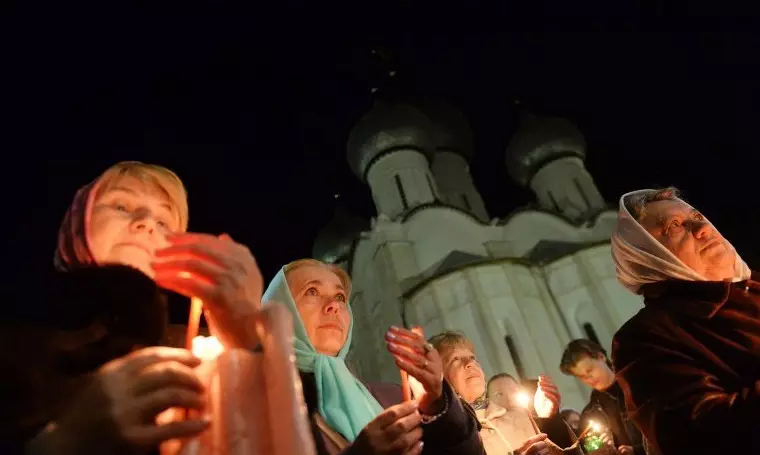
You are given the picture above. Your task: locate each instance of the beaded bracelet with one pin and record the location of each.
(430, 419)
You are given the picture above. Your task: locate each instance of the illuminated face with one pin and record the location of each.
(689, 236)
(503, 391)
(128, 223)
(462, 370)
(594, 372)
(322, 304)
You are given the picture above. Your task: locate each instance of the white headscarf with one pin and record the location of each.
(640, 259)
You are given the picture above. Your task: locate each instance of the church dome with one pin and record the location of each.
(451, 131)
(333, 243)
(537, 142)
(385, 128)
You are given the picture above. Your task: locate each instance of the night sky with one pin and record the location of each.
(252, 105)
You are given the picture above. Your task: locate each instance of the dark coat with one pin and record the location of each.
(608, 408)
(79, 321)
(557, 430)
(455, 433)
(689, 365)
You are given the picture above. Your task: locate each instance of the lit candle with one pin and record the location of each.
(194, 321)
(592, 426)
(523, 399)
(206, 348)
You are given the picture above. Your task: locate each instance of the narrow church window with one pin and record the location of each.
(591, 333)
(515, 354)
(432, 188)
(554, 201)
(401, 192)
(583, 195)
(466, 202)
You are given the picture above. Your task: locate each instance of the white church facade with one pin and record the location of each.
(520, 287)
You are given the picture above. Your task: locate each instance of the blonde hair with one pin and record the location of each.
(449, 340)
(345, 280)
(163, 179)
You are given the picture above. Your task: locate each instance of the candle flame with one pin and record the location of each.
(522, 399)
(206, 348)
(594, 425)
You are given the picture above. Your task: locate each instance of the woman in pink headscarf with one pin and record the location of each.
(689, 362)
(96, 373)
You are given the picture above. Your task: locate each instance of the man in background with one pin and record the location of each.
(588, 361)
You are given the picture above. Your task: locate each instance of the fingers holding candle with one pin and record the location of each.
(415, 356)
(215, 269)
(221, 273)
(546, 400)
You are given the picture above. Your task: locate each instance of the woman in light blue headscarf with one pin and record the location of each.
(349, 417)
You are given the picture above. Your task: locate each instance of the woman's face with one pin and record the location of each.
(322, 303)
(128, 223)
(689, 236)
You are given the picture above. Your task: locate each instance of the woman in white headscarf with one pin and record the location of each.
(689, 362)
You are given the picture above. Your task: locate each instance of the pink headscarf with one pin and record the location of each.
(73, 248)
(640, 259)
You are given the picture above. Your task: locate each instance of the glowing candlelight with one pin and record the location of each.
(592, 426)
(206, 348)
(523, 400)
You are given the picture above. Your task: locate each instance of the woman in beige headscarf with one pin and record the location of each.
(689, 362)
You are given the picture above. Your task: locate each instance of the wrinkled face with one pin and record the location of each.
(462, 370)
(128, 223)
(573, 420)
(322, 304)
(689, 236)
(594, 372)
(502, 391)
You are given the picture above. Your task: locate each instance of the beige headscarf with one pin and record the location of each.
(640, 259)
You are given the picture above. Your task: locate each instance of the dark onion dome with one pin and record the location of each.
(333, 243)
(451, 130)
(386, 128)
(539, 141)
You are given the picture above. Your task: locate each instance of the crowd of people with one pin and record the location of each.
(90, 369)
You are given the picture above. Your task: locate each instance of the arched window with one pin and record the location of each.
(515, 354)
(401, 192)
(588, 329)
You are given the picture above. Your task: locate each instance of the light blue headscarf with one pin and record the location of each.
(344, 402)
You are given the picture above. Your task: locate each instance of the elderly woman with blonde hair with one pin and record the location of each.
(88, 368)
(689, 361)
(348, 416)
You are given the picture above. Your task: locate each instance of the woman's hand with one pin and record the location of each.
(538, 445)
(117, 411)
(220, 272)
(547, 398)
(418, 358)
(395, 431)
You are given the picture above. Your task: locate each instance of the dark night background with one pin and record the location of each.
(251, 105)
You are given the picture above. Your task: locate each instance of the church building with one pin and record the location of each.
(519, 286)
